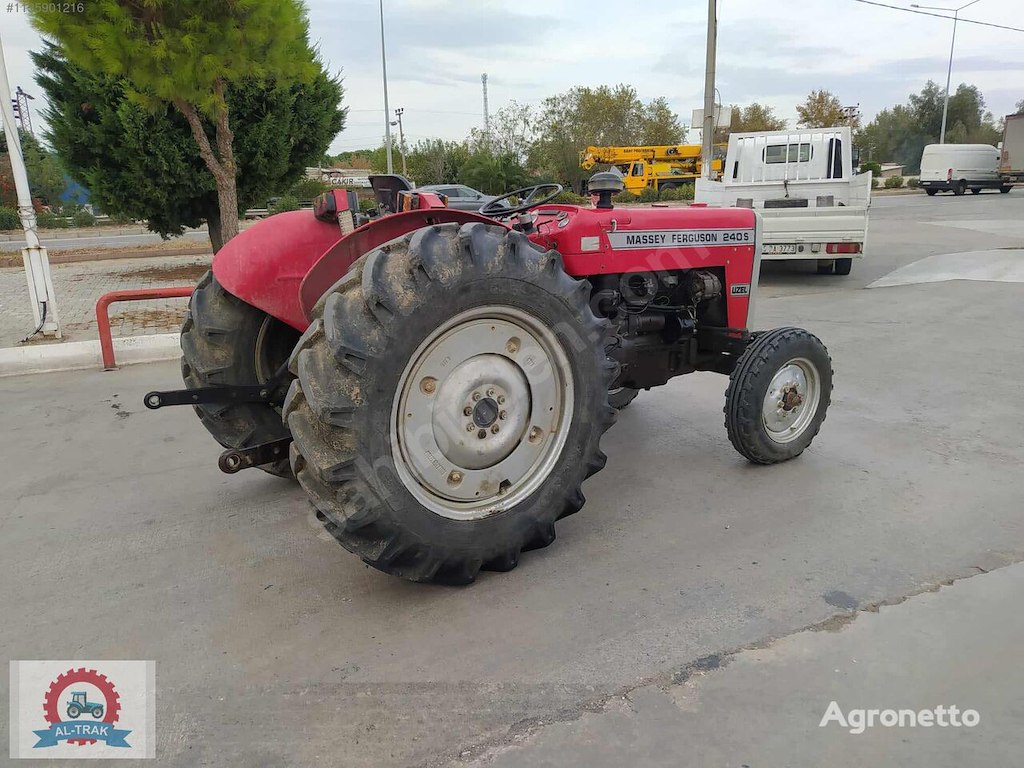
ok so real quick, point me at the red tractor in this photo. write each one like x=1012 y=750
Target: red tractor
x=438 y=381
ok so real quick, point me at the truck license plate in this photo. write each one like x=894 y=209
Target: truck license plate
x=788 y=248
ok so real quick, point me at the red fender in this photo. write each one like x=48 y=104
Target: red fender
x=265 y=264
x=335 y=263
x=285 y=263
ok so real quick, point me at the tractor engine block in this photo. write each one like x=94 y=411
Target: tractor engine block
x=657 y=316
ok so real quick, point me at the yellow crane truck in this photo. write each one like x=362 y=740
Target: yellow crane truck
x=658 y=168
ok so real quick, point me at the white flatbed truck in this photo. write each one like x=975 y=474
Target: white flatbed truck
x=801 y=182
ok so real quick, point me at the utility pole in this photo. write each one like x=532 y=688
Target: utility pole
x=708 y=131
x=21 y=110
x=37 y=264
x=487 y=111
x=852 y=113
x=401 y=138
x=387 y=109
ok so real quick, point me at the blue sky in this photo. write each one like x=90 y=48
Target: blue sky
x=772 y=51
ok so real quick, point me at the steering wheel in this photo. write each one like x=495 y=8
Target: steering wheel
x=527 y=197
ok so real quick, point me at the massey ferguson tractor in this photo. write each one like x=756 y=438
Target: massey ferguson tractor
x=438 y=381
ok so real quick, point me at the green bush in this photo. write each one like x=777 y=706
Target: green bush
x=875 y=168
x=874 y=183
x=568 y=197
x=894 y=182
x=285 y=203
x=83 y=218
x=49 y=220
x=913 y=182
x=9 y=219
x=307 y=189
x=367 y=204
x=685 y=192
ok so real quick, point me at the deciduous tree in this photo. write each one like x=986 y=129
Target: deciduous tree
x=823 y=109
x=753 y=117
x=603 y=116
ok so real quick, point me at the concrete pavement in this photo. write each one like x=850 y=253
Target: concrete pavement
x=274 y=646
x=765 y=706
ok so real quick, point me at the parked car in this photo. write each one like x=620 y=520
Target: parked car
x=460 y=197
x=958 y=167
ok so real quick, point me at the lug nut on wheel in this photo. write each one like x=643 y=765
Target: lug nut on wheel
x=535 y=434
x=454 y=477
x=428 y=385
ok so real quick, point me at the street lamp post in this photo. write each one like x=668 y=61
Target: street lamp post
x=949 y=70
x=384 y=70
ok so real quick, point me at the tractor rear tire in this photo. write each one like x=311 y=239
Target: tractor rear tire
x=620 y=397
x=778 y=395
x=450 y=398
x=226 y=341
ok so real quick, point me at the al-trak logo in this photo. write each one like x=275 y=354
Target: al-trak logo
x=82 y=707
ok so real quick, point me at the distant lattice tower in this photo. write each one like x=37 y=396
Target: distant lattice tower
x=21 y=110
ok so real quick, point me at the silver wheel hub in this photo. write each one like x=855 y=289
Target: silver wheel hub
x=482 y=412
x=791 y=400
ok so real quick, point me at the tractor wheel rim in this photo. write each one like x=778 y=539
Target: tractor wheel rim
x=791 y=400
x=481 y=412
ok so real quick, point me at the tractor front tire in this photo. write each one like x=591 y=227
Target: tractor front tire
x=778 y=395
x=226 y=341
x=450 y=399
x=620 y=397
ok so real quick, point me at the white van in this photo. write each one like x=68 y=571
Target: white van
x=958 y=167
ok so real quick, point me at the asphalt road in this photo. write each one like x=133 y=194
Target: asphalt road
x=120 y=539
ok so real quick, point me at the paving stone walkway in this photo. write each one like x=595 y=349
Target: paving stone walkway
x=78 y=286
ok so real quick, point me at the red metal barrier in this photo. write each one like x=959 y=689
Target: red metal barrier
x=103 y=318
